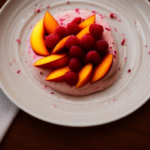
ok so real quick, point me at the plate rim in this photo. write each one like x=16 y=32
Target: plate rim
x=63 y=123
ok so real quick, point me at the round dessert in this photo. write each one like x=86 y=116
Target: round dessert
x=79 y=53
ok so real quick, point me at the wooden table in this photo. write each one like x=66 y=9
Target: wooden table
x=129 y=133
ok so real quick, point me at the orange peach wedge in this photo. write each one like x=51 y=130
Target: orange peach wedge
x=85 y=75
x=83 y=32
x=58 y=74
x=37 y=39
x=87 y=22
x=102 y=69
x=53 y=61
x=60 y=45
x=50 y=24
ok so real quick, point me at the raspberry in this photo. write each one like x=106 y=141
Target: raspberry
x=72 y=41
x=102 y=47
x=75 y=64
x=94 y=57
x=77 y=20
x=61 y=31
x=76 y=51
x=87 y=42
x=52 y=40
x=72 y=28
x=71 y=78
x=96 y=30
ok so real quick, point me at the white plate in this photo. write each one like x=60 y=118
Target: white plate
x=129 y=92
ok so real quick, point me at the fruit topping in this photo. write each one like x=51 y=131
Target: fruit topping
x=57 y=75
x=72 y=28
x=96 y=30
x=83 y=32
x=87 y=22
x=60 y=45
x=76 y=51
x=94 y=57
x=75 y=65
x=85 y=47
x=87 y=41
x=72 y=41
x=37 y=39
x=49 y=22
x=61 y=31
x=53 y=61
x=71 y=78
x=52 y=40
x=102 y=47
x=102 y=69
x=77 y=20
x=85 y=75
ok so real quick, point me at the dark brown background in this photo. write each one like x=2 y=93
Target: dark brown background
x=129 y=133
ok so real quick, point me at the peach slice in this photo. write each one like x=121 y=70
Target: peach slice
x=85 y=75
x=53 y=61
x=60 y=45
x=83 y=32
x=37 y=39
x=50 y=24
x=87 y=22
x=58 y=74
x=102 y=69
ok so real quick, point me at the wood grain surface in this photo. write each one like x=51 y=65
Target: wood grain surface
x=129 y=133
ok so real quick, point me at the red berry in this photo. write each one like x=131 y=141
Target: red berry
x=72 y=41
x=96 y=30
x=72 y=28
x=87 y=42
x=77 y=20
x=94 y=57
x=61 y=31
x=75 y=64
x=71 y=78
x=52 y=40
x=76 y=51
x=102 y=47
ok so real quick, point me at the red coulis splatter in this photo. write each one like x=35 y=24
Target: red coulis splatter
x=115 y=29
x=77 y=10
x=113 y=15
x=129 y=70
x=18 y=71
x=94 y=12
x=123 y=41
x=108 y=29
x=62 y=19
x=18 y=41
